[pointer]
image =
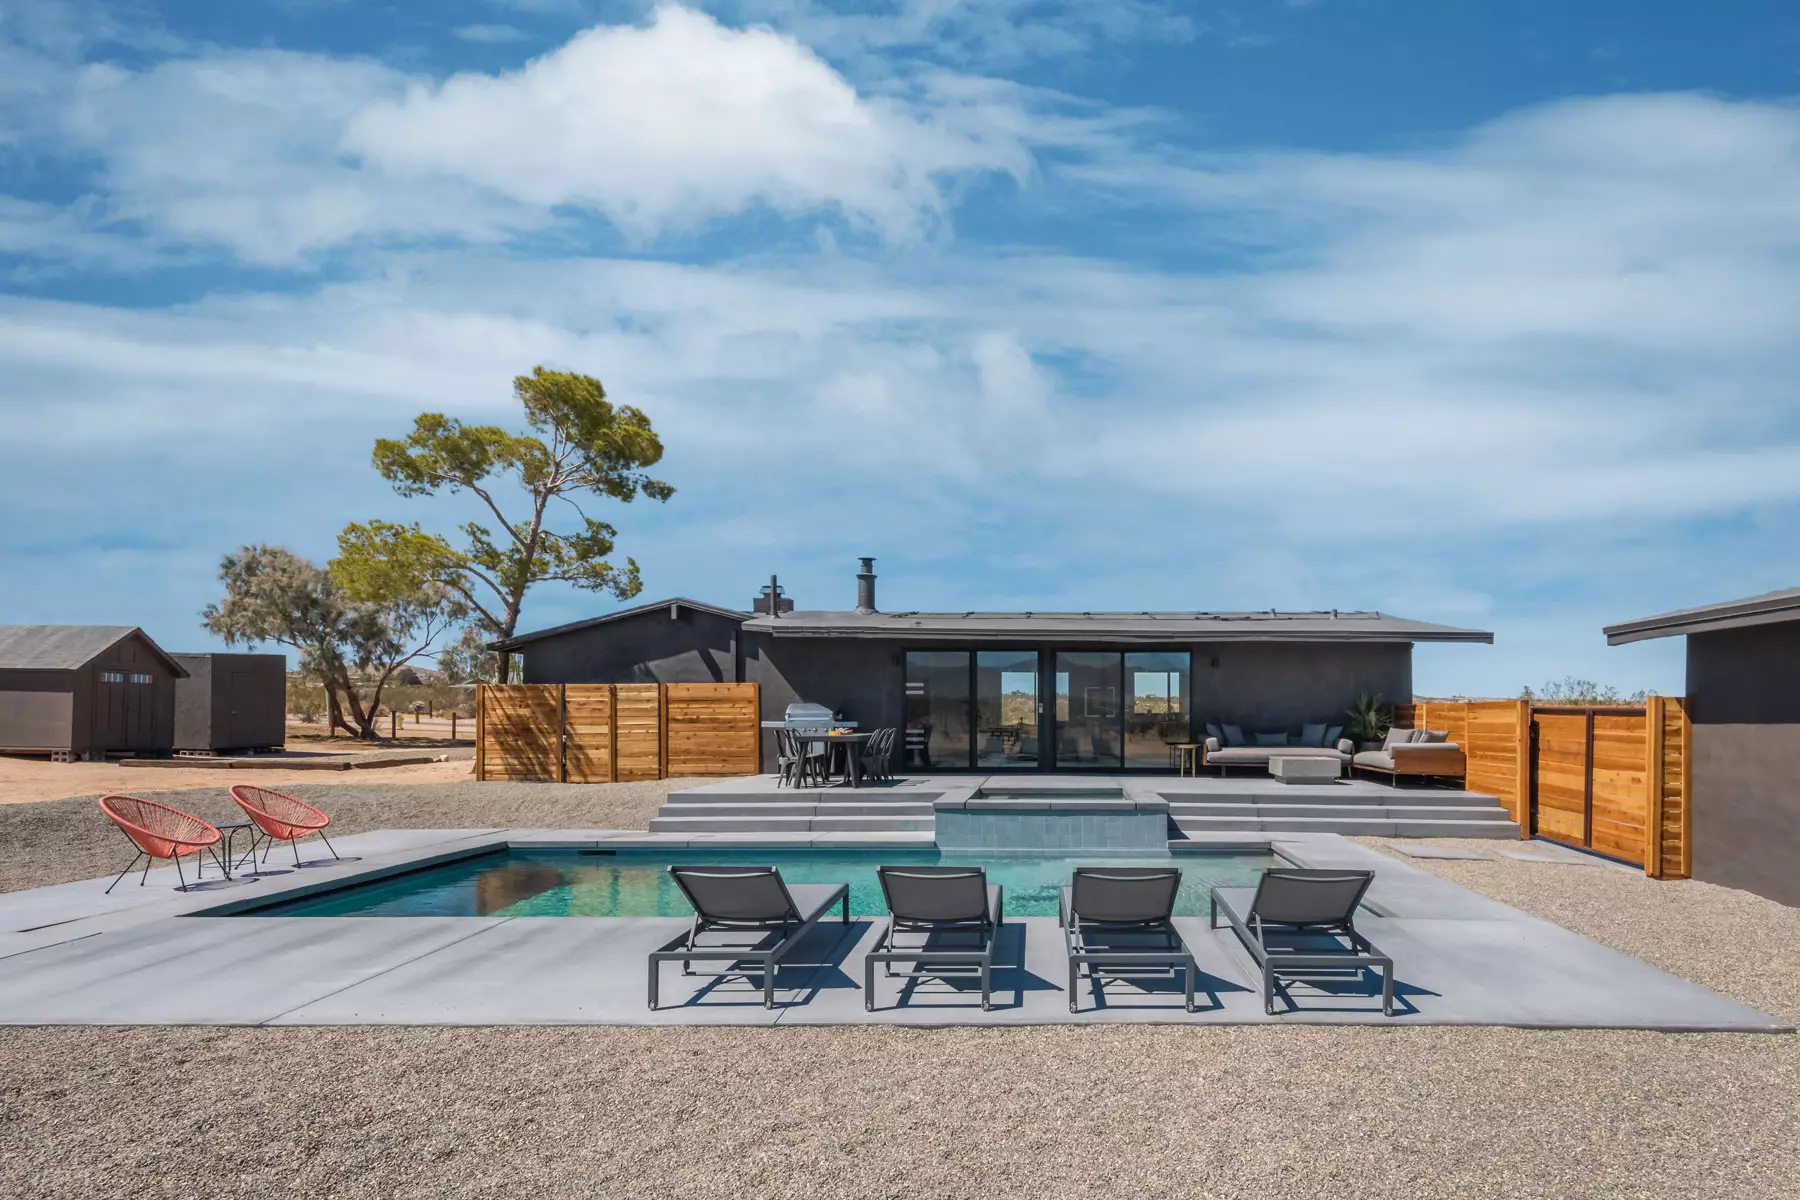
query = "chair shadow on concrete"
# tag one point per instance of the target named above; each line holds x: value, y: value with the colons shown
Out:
x: 1354, y: 990
x: 1145, y: 986
x: 1009, y: 982
x: 815, y: 964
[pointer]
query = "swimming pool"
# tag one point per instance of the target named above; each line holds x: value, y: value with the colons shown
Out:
x: 635, y: 883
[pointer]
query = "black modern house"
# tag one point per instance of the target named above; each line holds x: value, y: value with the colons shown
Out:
x: 998, y: 691
x: 1743, y: 696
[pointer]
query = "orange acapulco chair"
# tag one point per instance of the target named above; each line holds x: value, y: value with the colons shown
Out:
x: 159, y: 831
x: 280, y: 818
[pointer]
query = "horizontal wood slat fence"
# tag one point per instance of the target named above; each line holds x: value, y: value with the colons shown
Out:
x: 1613, y: 779
x: 616, y: 732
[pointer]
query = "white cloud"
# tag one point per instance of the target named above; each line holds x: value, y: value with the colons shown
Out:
x: 674, y: 123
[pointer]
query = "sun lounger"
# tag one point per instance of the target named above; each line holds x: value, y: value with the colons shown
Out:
x: 745, y: 900
x: 1119, y: 921
x: 1299, y: 924
x: 955, y: 915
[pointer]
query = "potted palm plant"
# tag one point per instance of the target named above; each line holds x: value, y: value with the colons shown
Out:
x: 1369, y: 719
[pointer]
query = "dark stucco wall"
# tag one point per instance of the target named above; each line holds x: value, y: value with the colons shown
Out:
x: 862, y: 680
x: 1744, y: 695
x: 1281, y: 685
x: 651, y: 647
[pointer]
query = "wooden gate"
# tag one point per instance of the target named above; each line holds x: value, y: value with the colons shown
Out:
x: 1613, y: 780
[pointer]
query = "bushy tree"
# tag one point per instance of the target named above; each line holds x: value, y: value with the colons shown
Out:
x: 1584, y: 692
x: 581, y: 446
x: 468, y: 660
x: 274, y: 595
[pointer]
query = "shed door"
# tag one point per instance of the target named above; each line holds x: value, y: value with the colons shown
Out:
x: 109, y: 708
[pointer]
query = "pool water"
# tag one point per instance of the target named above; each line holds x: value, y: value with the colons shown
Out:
x: 627, y: 883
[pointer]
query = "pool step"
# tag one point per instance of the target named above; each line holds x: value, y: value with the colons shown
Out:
x: 1271, y: 819
x: 794, y: 823
x: 1179, y: 810
x: 843, y: 808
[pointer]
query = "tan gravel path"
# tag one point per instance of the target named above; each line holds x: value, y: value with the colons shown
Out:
x: 1048, y: 1112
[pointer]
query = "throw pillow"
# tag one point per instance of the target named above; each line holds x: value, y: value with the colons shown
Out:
x: 1312, y: 735
x: 1271, y: 739
x: 1234, y: 735
x: 1397, y: 737
x: 1332, y: 735
x: 1213, y: 731
x: 1433, y: 735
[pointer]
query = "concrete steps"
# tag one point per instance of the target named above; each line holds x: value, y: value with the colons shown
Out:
x: 1196, y: 821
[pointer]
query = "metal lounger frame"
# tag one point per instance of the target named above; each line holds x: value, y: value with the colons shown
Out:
x: 1279, y: 964
x: 685, y: 948
x: 1122, y: 963
x: 956, y: 964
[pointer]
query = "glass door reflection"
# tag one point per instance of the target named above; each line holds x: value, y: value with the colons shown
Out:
x: 1088, y: 727
x: 1156, y: 706
x: 1006, y: 708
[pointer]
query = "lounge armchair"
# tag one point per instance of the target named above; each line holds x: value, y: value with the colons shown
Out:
x: 939, y: 904
x: 1119, y: 921
x: 1299, y: 924
x: 1415, y: 752
x: 158, y: 831
x: 753, y: 900
x: 279, y: 817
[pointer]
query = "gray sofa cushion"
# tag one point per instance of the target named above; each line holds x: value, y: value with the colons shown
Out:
x: 1398, y: 737
x: 1346, y: 747
x: 1375, y: 758
x: 1312, y: 735
x: 1432, y: 735
x: 1241, y: 756
x: 1212, y: 744
x: 1271, y: 739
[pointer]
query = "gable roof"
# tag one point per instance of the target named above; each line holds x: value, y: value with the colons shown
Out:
x: 1116, y: 626
x: 1769, y: 608
x: 68, y: 647
x: 672, y: 603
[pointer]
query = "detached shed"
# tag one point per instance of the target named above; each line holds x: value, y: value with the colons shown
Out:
x: 231, y: 702
x: 85, y: 691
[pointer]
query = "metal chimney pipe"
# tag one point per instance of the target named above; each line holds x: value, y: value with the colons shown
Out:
x: 865, y: 587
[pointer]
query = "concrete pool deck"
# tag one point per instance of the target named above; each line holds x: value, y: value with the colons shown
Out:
x: 71, y: 955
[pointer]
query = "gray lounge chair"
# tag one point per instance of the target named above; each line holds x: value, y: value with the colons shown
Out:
x: 942, y: 906
x: 1299, y: 924
x: 1119, y: 921
x: 752, y: 900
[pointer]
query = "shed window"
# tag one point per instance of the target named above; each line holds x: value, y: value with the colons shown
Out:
x: 137, y: 678
x: 112, y: 677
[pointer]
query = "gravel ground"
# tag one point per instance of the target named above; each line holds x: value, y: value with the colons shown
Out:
x: 62, y: 840
x: 1045, y: 1112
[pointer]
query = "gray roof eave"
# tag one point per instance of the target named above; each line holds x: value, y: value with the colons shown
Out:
x: 1770, y: 608
x: 520, y: 640
x: 1170, y: 632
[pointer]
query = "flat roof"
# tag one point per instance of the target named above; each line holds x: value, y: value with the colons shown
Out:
x: 1073, y: 627
x: 1769, y: 608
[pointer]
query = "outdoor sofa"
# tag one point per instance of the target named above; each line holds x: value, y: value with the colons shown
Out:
x: 752, y: 901
x: 1414, y: 752
x: 1300, y: 924
x: 1229, y: 745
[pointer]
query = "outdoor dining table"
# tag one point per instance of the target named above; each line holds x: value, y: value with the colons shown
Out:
x: 852, y: 744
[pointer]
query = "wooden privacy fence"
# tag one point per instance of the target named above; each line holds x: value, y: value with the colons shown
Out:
x: 1612, y: 779
x: 616, y: 732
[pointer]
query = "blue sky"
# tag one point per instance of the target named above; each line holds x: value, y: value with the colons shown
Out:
x: 1478, y: 313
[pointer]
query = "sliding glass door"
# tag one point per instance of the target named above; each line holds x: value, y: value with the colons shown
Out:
x: 937, y: 710
x: 1006, y: 708
x: 1088, y: 729
x: 1156, y: 706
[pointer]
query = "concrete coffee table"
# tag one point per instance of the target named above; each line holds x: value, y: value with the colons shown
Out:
x: 1301, y: 769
